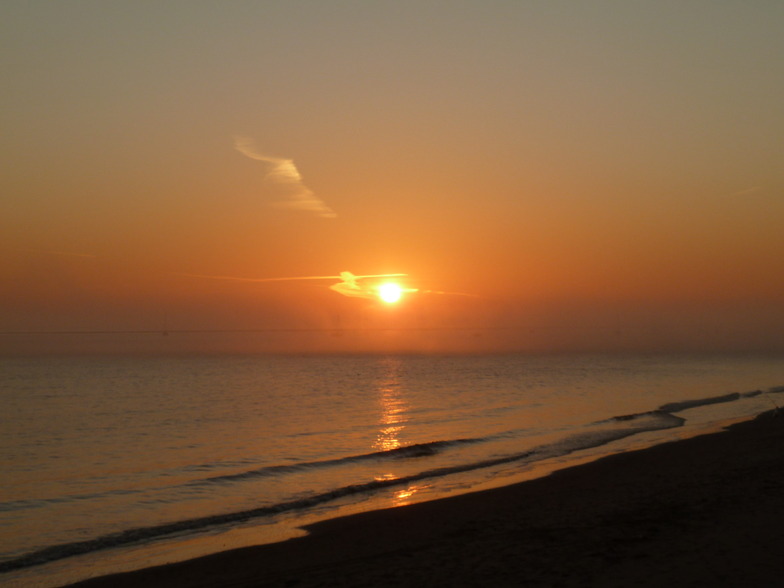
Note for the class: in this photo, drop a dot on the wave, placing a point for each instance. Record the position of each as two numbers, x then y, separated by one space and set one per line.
597 434
409 451
12 505
686 404
660 413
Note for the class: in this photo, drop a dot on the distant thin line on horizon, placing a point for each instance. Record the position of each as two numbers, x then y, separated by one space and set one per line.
284 330
267 330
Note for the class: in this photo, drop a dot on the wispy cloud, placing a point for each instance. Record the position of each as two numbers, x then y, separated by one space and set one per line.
748 191
60 253
241 279
73 254
348 284
448 293
351 286
365 286
286 176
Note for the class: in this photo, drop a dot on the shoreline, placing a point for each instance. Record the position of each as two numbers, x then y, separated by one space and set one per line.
702 510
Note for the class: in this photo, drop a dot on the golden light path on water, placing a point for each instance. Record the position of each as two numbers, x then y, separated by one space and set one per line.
394 414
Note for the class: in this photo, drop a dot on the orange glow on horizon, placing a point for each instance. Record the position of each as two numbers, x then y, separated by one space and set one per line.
518 229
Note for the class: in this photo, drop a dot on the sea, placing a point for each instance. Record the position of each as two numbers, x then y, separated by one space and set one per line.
113 463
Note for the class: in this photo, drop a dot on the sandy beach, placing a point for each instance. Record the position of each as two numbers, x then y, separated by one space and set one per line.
697 512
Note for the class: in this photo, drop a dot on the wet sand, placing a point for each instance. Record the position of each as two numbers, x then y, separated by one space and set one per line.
706 511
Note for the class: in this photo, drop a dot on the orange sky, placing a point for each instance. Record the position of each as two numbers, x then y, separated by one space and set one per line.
600 175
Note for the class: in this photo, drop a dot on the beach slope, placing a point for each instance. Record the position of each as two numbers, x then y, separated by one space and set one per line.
702 511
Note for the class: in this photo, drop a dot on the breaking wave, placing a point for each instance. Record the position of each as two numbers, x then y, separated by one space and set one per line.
416 450
687 404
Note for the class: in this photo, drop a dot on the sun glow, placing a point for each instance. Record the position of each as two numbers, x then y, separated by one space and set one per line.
390 293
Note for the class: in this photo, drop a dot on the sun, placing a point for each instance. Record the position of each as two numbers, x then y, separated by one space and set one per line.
390 293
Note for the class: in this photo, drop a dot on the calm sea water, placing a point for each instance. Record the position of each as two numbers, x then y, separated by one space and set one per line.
115 463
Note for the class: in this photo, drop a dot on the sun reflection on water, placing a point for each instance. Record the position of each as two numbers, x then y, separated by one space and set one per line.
403 497
394 407
394 410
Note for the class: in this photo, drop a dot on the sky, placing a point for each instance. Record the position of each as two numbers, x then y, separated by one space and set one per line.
548 175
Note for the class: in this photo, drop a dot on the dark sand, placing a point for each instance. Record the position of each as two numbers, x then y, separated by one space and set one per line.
706 511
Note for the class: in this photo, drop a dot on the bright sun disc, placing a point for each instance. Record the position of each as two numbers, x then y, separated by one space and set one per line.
390 293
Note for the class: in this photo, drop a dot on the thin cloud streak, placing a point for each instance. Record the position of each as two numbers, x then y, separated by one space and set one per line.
60 253
748 191
344 276
285 174
347 286
448 293
239 279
